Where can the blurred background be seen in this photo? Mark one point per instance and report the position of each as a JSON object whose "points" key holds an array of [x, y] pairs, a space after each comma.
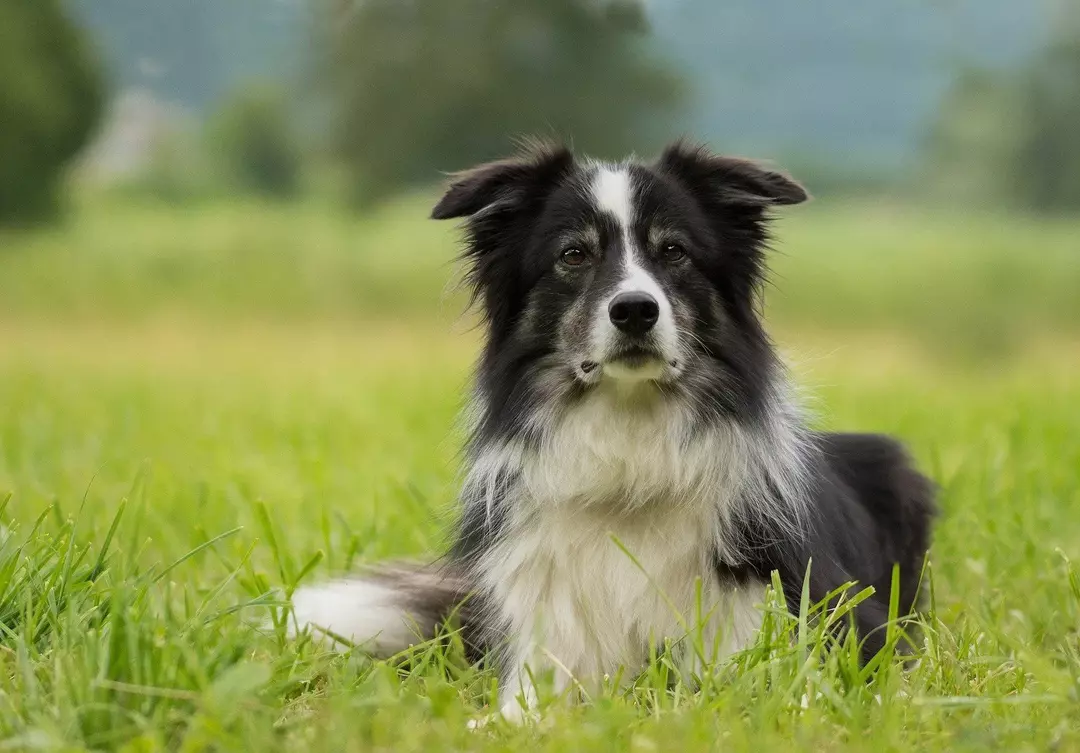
{"points": [[275, 159], [230, 336]]}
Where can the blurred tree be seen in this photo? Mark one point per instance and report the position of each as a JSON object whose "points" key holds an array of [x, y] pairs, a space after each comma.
{"points": [[972, 145], [253, 138], [1014, 137], [418, 86], [51, 97], [1047, 169]]}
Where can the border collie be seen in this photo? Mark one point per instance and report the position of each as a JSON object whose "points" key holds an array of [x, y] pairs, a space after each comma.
{"points": [[636, 456]]}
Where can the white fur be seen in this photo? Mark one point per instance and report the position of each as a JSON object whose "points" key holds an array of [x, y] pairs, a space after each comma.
{"points": [[360, 611], [612, 523], [637, 279], [781, 453], [624, 465], [612, 192]]}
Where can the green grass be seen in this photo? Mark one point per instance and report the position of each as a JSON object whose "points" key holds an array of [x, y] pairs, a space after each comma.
{"points": [[180, 451], [976, 282], [164, 481]]}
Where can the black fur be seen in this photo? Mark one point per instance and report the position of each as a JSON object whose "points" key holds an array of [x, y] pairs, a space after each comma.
{"points": [[869, 508], [548, 249], [871, 511]]}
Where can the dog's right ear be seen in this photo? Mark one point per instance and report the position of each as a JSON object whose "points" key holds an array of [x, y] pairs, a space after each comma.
{"points": [[504, 184]]}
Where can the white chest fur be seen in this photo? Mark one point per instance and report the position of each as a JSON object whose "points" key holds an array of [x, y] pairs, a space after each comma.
{"points": [[612, 530], [588, 596]]}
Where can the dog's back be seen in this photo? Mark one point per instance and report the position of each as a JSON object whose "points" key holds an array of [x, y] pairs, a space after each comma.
{"points": [[874, 513], [897, 499]]}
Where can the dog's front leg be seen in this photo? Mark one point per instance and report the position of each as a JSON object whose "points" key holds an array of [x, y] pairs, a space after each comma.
{"points": [[523, 664], [517, 699]]}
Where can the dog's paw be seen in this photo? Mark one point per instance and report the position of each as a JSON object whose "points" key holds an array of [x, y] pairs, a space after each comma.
{"points": [[512, 713], [480, 722]]}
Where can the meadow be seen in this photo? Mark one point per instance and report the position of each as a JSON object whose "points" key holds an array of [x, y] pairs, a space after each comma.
{"points": [[202, 407]]}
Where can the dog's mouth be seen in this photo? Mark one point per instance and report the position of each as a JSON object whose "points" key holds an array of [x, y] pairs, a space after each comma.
{"points": [[634, 363], [635, 357]]}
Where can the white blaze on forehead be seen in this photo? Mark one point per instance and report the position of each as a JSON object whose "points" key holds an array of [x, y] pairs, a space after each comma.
{"points": [[613, 193], [636, 278], [611, 189]]}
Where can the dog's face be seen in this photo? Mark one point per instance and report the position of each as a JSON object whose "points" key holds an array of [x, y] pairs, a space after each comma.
{"points": [[631, 273]]}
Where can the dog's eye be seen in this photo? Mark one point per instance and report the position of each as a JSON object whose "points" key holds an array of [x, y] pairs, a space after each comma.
{"points": [[573, 257], [672, 252]]}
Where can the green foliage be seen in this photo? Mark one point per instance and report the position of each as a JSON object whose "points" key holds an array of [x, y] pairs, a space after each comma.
{"points": [[176, 172], [428, 85], [50, 101], [952, 280], [1047, 173], [256, 148], [136, 597], [973, 140], [172, 480], [1011, 137]]}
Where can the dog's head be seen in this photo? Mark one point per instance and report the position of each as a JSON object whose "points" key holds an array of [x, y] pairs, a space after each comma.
{"points": [[632, 273]]}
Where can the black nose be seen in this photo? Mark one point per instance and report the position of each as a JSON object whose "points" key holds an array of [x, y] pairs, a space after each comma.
{"points": [[634, 313]]}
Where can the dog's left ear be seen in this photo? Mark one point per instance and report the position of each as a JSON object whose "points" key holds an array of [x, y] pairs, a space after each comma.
{"points": [[730, 180], [504, 184]]}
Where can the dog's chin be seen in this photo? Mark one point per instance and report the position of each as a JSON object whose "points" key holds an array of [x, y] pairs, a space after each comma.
{"points": [[630, 367], [632, 371]]}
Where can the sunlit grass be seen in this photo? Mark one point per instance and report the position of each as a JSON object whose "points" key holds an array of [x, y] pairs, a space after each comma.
{"points": [[171, 481], [202, 407]]}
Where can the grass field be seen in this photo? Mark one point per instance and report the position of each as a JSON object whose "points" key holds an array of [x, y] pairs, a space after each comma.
{"points": [[200, 410]]}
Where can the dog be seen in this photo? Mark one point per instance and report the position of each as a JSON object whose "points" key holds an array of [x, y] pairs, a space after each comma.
{"points": [[636, 454]]}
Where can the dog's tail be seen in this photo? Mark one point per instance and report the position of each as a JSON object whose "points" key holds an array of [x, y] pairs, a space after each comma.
{"points": [[383, 610]]}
